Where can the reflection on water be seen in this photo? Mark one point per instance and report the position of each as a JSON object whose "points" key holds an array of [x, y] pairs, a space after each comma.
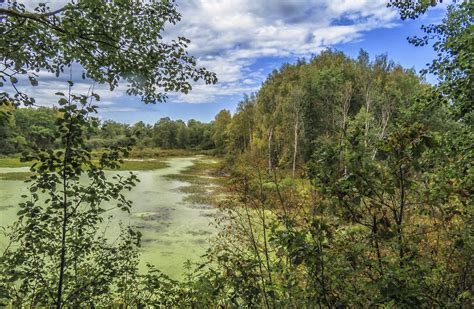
{"points": [[173, 230]]}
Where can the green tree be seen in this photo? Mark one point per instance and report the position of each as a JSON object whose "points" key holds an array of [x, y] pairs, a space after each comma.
{"points": [[165, 133], [452, 40], [182, 136], [37, 126], [220, 130], [241, 130], [111, 40], [57, 227], [8, 138], [143, 132]]}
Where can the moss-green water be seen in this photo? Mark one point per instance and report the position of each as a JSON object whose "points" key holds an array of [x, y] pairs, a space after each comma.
{"points": [[174, 229]]}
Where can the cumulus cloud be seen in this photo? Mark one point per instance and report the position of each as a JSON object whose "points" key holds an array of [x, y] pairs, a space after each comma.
{"points": [[230, 36]]}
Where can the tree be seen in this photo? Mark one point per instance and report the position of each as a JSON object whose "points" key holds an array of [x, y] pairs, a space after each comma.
{"points": [[413, 8], [37, 126], [111, 40], [57, 229], [241, 129], [7, 131], [182, 137], [452, 41], [266, 106], [295, 110], [143, 132], [220, 130]]}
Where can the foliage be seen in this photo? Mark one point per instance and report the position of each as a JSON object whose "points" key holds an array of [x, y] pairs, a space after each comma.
{"points": [[383, 213], [57, 223], [111, 40], [30, 129], [453, 41], [350, 184], [413, 8]]}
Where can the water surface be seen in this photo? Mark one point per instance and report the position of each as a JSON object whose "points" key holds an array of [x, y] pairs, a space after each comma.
{"points": [[174, 230]]}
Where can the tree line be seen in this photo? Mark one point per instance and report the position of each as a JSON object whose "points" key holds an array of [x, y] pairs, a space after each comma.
{"points": [[352, 183], [25, 129], [303, 102], [296, 105]]}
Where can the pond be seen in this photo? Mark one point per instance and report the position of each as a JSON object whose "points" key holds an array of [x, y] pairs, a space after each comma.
{"points": [[174, 229]]}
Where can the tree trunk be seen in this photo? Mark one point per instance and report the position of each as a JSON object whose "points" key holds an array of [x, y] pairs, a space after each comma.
{"points": [[250, 139], [400, 216], [345, 114], [62, 265], [385, 119], [295, 150], [367, 110], [270, 135], [63, 258]]}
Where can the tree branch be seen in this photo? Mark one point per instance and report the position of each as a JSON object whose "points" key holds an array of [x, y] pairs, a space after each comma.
{"points": [[14, 13]]}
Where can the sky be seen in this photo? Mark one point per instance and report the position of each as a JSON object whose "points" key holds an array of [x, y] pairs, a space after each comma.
{"points": [[242, 41]]}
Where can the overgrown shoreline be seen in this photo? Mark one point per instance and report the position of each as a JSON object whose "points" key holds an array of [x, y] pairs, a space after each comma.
{"points": [[205, 180], [138, 160]]}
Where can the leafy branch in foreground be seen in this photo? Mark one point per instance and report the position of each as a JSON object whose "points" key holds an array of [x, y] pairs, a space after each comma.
{"points": [[453, 42], [59, 253], [111, 40]]}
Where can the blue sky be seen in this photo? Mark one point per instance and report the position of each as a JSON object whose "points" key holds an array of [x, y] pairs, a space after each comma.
{"points": [[244, 40]]}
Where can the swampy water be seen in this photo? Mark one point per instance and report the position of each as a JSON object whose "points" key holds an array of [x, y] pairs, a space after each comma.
{"points": [[173, 229]]}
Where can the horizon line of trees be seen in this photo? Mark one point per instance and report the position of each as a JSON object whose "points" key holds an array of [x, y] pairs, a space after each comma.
{"points": [[34, 128]]}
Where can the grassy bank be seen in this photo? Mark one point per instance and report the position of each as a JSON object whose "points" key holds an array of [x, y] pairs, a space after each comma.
{"points": [[13, 162], [155, 153], [142, 165], [198, 175], [127, 165], [158, 155], [19, 176]]}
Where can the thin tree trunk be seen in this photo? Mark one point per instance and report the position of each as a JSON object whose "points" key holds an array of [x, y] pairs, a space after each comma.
{"points": [[65, 176], [296, 129], [63, 228], [376, 241], [265, 239], [385, 119], [400, 217], [250, 139], [295, 151], [345, 115], [257, 255], [267, 257], [367, 110], [270, 135]]}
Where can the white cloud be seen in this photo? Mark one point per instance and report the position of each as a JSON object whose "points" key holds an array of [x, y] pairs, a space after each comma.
{"points": [[230, 36], [108, 109]]}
